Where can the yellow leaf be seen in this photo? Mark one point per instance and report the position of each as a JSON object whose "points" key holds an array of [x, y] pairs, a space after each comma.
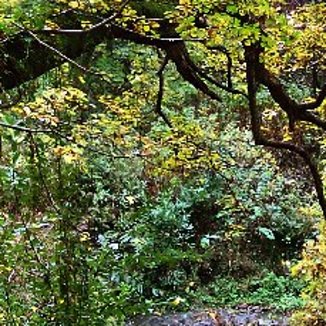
{"points": [[81, 79], [84, 237], [130, 199], [177, 301], [74, 4], [287, 137]]}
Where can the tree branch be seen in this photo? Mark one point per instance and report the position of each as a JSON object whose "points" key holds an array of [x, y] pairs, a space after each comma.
{"points": [[252, 60], [177, 52], [213, 81], [314, 105], [24, 58], [24, 129], [158, 107], [295, 111]]}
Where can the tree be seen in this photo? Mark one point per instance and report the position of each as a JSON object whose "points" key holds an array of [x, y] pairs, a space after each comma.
{"points": [[242, 48]]}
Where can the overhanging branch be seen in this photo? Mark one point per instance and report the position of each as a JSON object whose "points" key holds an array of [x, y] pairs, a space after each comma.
{"points": [[295, 111], [252, 60]]}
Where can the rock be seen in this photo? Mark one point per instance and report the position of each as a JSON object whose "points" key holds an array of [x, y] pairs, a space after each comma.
{"points": [[243, 315]]}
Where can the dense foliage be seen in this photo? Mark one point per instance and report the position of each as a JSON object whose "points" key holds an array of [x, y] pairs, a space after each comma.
{"points": [[130, 177], [312, 268]]}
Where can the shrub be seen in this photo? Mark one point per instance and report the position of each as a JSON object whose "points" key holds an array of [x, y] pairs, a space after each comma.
{"points": [[312, 268]]}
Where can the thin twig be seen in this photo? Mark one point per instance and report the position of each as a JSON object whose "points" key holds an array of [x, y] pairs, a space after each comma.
{"points": [[85, 31], [24, 129], [222, 49], [53, 49], [216, 83], [111, 18], [42, 177]]}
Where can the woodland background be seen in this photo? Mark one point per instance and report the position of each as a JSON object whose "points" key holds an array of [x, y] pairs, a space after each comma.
{"points": [[161, 156]]}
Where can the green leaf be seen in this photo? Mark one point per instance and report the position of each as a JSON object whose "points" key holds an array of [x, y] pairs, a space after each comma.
{"points": [[267, 233]]}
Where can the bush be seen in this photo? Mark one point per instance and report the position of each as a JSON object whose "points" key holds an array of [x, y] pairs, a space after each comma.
{"points": [[270, 290], [312, 268]]}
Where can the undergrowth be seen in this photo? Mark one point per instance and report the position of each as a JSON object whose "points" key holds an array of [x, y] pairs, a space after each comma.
{"points": [[281, 293]]}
